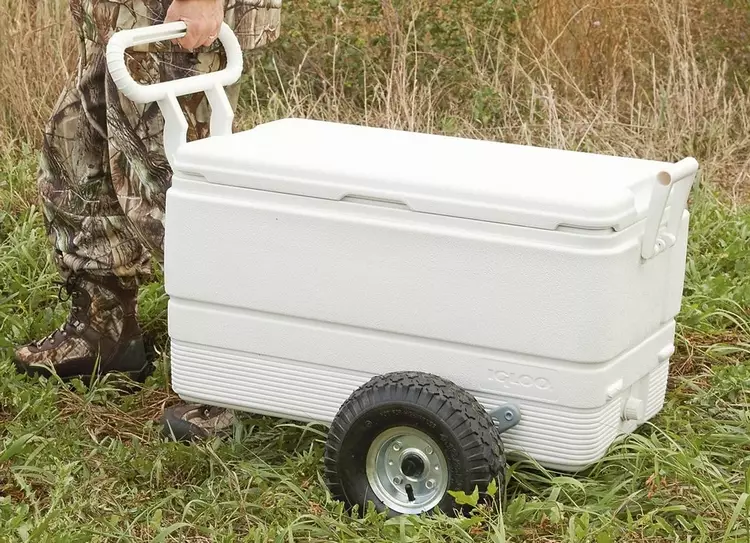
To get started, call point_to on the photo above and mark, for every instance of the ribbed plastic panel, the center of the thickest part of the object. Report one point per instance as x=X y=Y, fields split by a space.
x=276 y=387
x=561 y=436
x=556 y=436
x=657 y=386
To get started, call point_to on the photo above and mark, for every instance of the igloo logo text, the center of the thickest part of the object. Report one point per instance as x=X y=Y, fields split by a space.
x=521 y=380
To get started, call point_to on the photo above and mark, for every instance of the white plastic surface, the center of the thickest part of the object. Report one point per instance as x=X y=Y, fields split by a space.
x=578 y=297
x=483 y=180
x=283 y=304
x=567 y=423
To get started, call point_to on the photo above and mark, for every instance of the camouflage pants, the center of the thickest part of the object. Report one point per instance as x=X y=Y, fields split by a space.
x=103 y=174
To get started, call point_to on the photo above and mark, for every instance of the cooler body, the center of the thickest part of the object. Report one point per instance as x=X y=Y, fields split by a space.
x=283 y=304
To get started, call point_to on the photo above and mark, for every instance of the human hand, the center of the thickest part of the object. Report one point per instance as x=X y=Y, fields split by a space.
x=202 y=17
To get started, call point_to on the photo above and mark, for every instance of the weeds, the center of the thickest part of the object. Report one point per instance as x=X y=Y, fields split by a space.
x=652 y=79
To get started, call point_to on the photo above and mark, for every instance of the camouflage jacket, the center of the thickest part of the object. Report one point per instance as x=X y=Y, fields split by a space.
x=255 y=22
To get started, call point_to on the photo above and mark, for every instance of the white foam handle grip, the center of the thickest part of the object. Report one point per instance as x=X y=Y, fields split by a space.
x=165 y=93
x=654 y=241
x=136 y=92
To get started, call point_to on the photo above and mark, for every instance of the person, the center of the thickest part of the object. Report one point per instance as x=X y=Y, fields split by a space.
x=102 y=181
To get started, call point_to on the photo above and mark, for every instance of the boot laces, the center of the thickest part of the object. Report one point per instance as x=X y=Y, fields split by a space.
x=72 y=287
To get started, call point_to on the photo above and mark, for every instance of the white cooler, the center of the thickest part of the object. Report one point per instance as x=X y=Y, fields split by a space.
x=303 y=258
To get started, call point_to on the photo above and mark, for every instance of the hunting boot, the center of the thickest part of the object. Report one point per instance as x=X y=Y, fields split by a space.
x=190 y=422
x=101 y=334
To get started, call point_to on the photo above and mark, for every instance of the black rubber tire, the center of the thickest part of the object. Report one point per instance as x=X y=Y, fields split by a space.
x=451 y=416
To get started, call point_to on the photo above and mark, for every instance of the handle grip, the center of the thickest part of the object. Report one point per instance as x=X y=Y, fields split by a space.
x=682 y=172
x=136 y=92
x=165 y=93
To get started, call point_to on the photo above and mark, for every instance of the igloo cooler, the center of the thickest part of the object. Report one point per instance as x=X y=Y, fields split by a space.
x=304 y=257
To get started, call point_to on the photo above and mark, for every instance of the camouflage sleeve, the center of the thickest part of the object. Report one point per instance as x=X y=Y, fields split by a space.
x=255 y=22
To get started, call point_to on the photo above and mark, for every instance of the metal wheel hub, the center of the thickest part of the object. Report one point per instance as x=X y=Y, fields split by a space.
x=407 y=470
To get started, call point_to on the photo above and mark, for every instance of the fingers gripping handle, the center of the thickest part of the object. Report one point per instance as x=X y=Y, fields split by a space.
x=165 y=93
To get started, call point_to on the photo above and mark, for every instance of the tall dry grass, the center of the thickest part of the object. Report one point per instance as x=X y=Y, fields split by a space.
x=37 y=55
x=630 y=79
x=650 y=78
x=642 y=85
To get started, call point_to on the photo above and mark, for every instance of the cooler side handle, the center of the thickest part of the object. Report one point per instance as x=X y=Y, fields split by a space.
x=165 y=93
x=655 y=242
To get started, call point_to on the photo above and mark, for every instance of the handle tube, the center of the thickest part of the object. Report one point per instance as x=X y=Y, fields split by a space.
x=165 y=93
x=655 y=242
x=136 y=92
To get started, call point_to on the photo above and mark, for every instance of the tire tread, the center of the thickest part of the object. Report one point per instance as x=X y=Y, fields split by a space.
x=468 y=420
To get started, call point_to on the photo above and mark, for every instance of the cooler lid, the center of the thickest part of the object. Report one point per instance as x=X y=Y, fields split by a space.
x=482 y=180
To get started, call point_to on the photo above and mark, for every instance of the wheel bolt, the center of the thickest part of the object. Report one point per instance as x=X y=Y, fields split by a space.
x=430 y=484
x=397 y=480
x=397 y=446
x=428 y=450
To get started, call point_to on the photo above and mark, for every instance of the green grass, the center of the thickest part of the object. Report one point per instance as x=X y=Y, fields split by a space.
x=87 y=463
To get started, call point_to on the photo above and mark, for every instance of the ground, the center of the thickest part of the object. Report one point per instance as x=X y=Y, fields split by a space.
x=86 y=463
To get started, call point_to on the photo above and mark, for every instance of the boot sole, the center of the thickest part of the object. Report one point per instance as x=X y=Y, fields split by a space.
x=180 y=430
x=174 y=427
x=134 y=351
